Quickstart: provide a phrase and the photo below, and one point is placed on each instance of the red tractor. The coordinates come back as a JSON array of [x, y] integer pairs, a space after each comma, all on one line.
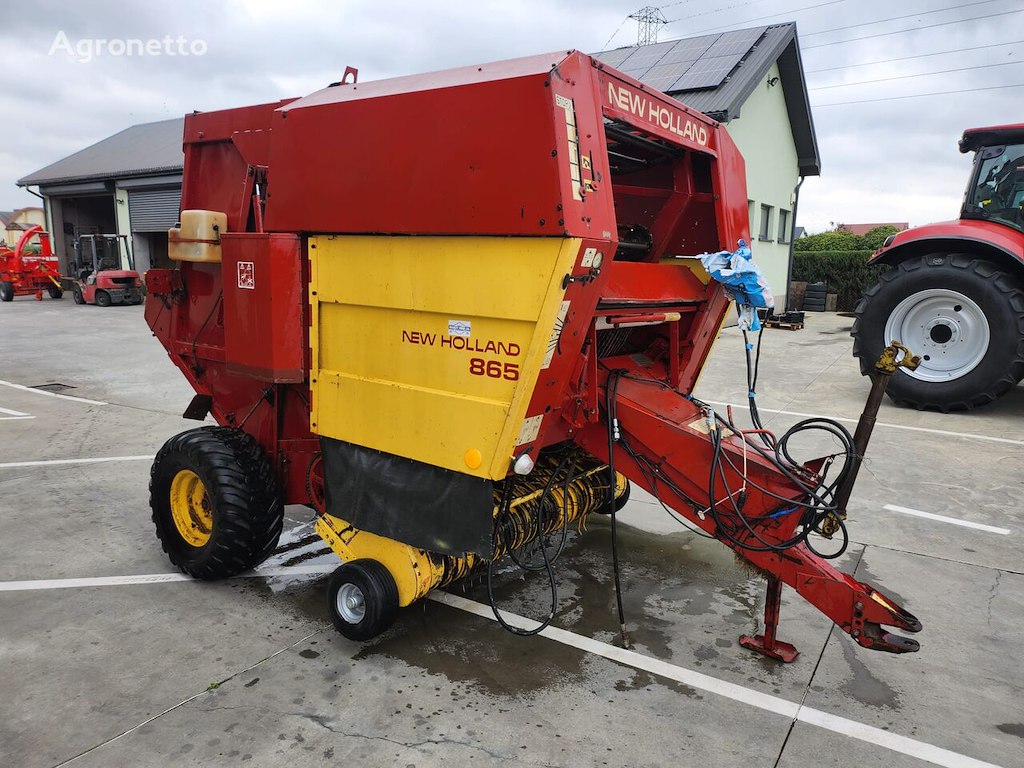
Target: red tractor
[[23, 273], [955, 293], [98, 277]]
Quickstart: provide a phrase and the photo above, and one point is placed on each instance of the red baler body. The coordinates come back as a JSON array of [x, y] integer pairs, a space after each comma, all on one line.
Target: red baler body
[[552, 146]]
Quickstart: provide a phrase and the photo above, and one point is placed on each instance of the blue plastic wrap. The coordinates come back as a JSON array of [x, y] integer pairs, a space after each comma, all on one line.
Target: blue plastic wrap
[[744, 282]]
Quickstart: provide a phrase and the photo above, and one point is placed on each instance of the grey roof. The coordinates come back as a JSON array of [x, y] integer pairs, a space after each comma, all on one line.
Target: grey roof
[[759, 48], [142, 150]]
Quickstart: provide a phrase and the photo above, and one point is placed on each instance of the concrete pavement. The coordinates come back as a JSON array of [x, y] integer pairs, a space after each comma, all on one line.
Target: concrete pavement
[[250, 672]]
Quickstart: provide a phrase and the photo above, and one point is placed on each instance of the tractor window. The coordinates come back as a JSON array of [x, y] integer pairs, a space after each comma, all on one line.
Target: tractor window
[[997, 189]]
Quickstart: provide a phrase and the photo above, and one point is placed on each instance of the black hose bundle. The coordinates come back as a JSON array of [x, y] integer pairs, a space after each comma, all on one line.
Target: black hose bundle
[[564, 486]]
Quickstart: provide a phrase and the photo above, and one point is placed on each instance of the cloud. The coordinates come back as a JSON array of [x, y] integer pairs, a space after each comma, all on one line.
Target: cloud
[[881, 160]]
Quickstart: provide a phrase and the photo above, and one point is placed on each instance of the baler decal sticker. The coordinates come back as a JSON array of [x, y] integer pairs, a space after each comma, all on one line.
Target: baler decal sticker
[[247, 275], [530, 429], [460, 328], [556, 333], [574, 143]]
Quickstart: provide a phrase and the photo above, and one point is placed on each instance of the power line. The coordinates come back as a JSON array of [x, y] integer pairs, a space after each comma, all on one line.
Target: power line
[[759, 18], [912, 29], [916, 56], [713, 10], [921, 74], [898, 18], [917, 95], [606, 42]]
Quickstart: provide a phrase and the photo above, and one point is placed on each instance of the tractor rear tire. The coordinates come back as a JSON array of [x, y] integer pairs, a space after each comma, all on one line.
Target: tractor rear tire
[[362, 599], [102, 299], [215, 502], [963, 316], [6, 291], [77, 295], [54, 291]]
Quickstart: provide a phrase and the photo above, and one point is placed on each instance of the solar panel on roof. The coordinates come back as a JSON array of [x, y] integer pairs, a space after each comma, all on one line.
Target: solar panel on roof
[[645, 57], [663, 76], [739, 41], [690, 64], [706, 73], [688, 50], [615, 57]]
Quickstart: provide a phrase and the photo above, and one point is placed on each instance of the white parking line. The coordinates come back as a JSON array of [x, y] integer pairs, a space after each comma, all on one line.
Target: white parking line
[[50, 462], [944, 519], [767, 702], [774, 704], [948, 433], [35, 391], [151, 578], [10, 415]]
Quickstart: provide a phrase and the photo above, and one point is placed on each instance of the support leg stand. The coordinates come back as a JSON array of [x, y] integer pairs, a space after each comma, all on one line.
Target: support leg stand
[[767, 644]]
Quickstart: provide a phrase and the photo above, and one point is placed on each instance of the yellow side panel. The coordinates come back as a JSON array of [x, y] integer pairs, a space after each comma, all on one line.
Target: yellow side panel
[[430, 347]]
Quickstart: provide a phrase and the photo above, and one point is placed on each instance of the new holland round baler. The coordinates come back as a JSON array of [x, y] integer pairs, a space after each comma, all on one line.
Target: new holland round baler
[[453, 313]]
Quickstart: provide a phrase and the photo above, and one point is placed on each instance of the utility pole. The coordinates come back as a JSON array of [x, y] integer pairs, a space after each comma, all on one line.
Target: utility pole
[[649, 19]]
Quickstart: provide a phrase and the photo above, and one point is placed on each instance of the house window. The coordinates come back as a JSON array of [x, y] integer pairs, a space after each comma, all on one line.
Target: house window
[[765, 232], [783, 226]]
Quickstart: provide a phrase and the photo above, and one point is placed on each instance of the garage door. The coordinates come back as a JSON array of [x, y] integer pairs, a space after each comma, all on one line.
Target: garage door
[[154, 210]]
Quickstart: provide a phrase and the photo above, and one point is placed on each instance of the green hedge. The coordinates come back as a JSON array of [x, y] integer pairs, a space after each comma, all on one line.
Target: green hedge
[[846, 272]]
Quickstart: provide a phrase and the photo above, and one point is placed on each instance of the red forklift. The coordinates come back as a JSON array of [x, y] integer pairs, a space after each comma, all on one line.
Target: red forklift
[[97, 271]]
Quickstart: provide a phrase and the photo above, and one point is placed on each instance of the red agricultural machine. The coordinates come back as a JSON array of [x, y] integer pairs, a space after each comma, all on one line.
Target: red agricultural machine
[[24, 273], [453, 313], [955, 292]]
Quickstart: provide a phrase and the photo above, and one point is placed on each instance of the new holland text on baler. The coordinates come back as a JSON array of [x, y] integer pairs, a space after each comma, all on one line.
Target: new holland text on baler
[[453, 313]]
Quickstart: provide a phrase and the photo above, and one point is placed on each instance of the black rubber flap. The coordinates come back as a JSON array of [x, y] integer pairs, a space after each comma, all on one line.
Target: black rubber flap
[[415, 503]]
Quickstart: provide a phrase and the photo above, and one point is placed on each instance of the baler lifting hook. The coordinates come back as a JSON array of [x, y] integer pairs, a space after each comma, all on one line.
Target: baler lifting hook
[[893, 356]]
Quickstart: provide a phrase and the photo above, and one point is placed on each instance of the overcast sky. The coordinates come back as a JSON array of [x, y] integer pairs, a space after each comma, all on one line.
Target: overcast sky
[[891, 157]]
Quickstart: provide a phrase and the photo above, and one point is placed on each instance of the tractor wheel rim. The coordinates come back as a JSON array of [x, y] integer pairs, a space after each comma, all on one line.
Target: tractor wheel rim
[[947, 329], [351, 603], [190, 508]]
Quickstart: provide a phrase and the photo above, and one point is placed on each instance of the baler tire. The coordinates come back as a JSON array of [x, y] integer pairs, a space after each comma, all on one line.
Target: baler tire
[[239, 502], [992, 322], [55, 292], [6, 291], [77, 295], [362, 599], [103, 299]]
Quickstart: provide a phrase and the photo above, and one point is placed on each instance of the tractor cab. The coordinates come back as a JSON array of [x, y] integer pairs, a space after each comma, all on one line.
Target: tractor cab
[[98, 274], [995, 191]]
